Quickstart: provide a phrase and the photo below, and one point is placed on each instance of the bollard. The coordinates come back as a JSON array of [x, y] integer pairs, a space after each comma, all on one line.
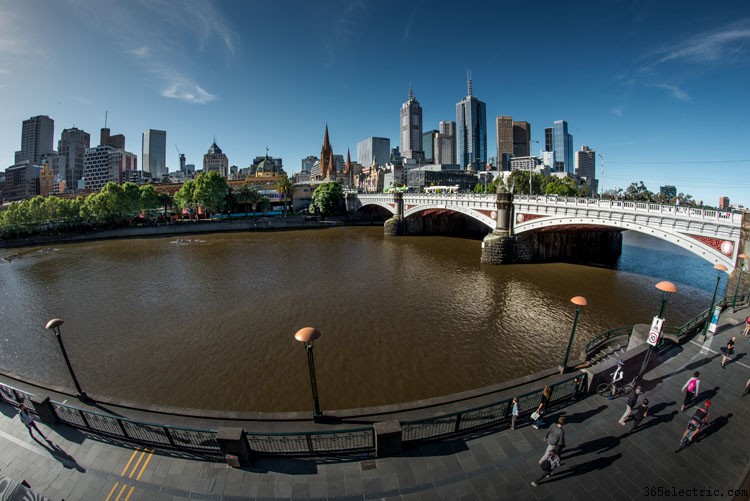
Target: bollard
[[234, 446]]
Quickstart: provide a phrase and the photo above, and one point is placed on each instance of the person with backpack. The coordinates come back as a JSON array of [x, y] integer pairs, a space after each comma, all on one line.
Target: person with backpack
[[691, 388], [547, 464], [695, 425], [631, 405], [728, 352], [640, 413]]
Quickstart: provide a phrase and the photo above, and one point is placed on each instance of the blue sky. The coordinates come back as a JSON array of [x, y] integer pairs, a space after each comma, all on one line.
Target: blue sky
[[658, 89]]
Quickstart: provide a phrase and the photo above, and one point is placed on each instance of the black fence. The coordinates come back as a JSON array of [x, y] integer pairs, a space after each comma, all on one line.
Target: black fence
[[356, 440], [486, 415]]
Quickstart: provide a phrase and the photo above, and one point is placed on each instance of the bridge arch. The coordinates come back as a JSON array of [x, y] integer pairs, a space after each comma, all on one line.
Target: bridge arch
[[670, 234], [486, 219]]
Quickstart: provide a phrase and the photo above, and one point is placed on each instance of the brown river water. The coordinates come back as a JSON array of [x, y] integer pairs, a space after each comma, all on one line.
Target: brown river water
[[209, 322]]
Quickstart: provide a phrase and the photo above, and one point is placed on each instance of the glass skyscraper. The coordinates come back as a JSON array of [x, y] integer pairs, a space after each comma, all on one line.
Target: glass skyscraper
[[154, 157], [562, 145], [471, 132]]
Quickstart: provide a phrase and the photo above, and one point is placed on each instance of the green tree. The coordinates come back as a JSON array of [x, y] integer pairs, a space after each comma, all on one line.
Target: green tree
[[211, 191], [248, 196], [478, 188], [264, 204], [149, 198], [185, 196], [132, 196], [565, 187], [285, 188], [326, 198]]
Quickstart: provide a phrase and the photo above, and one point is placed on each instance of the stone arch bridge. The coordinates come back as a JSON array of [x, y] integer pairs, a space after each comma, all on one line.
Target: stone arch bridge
[[718, 237]]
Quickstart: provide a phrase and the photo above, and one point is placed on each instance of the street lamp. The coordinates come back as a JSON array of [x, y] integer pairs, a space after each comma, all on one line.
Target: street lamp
[[739, 280], [579, 301], [721, 268], [307, 335], [55, 324], [667, 289]]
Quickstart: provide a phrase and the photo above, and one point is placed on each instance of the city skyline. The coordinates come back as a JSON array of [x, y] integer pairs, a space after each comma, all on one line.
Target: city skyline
[[658, 96]]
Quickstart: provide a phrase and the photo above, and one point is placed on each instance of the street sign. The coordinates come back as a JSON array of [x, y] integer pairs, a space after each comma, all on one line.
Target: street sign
[[655, 331]]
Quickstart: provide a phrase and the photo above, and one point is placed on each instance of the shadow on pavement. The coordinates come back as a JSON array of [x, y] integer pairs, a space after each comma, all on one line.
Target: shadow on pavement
[[599, 446], [437, 448], [583, 468], [651, 421], [713, 427], [287, 466], [9, 410], [58, 453], [580, 417]]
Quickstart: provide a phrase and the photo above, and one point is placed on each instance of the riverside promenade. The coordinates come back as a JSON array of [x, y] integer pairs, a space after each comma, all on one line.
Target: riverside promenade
[[602, 460]]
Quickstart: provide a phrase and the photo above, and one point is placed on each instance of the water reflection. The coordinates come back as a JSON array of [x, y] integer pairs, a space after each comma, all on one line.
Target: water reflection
[[210, 324]]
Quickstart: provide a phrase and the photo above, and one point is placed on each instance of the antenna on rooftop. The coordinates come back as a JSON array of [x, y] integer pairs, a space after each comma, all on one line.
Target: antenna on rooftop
[[105, 118]]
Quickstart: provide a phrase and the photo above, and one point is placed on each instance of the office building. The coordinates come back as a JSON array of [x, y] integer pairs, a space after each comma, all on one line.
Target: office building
[[560, 142], [724, 203], [668, 192], [586, 163], [21, 181], [471, 132], [71, 150], [374, 150], [504, 127], [308, 162], [411, 128], [154, 153], [117, 141], [521, 139], [429, 141], [445, 143], [215, 160], [37, 136], [104, 164]]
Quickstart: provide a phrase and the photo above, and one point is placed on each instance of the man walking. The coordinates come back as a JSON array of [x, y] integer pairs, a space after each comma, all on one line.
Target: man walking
[[631, 405], [555, 438], [640, 413]]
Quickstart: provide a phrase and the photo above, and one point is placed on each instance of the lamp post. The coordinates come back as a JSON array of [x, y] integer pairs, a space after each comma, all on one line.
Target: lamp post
[[55, 324], [739, 281], [721, 268], [579, 301], [667, 289], [307, 335]]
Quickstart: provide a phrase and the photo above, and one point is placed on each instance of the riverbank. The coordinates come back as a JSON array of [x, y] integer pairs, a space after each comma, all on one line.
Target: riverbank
[[178, 228]]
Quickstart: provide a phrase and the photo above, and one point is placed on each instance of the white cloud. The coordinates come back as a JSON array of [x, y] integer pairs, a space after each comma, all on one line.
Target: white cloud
[[676, 92], [188, 91], [709, 47], [139, 52], [618, 110]]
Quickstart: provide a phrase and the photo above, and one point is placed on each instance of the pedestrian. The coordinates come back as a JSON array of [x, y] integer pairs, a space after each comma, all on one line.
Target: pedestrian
[[640, 413], [538, 415], [28, 420], [576, 388], [747, 326], [691, 390], [514, 413], [728, 352], [631, 405], [747, 388], [547, 464], [555, 438]]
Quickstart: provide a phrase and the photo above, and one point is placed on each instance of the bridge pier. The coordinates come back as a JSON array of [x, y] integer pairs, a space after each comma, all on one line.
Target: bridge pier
[[499, 247], [742, 248], [395, 227]]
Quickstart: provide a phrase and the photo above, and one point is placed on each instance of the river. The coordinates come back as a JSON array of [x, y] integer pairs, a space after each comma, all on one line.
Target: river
[[209, 322]]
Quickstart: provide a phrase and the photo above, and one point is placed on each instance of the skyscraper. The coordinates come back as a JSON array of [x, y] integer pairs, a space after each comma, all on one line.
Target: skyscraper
[[586, 168], [377, 149], [37, 136], [429, 140], [557, 140], [504, 126], [411, 128], [521, 139], [71, 150], [154, 153], [445, 143], [471, 132]]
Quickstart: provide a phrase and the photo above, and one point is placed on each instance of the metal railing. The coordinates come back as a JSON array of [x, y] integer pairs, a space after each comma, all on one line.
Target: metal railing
[[15, 396], [478, 417], [602, 338], [320, 442], [159, 435]]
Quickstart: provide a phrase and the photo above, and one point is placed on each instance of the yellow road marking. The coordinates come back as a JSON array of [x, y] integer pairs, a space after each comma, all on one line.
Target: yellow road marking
[[130, 461], [112, 490], [143, 468], [129, 493], [140, 458], [121, 491]]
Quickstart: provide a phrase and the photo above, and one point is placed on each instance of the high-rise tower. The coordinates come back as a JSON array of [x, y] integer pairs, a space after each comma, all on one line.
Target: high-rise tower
[[471, 131], [154, 151], [504, 126], [411, 128], [71, 150], [36, 139]]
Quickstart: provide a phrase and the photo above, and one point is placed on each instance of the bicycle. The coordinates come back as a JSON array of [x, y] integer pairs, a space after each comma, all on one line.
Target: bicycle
[[687, 439], [605, 389]]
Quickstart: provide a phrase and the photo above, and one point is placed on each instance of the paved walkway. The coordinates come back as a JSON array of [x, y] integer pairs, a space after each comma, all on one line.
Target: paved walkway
[[602, 460]]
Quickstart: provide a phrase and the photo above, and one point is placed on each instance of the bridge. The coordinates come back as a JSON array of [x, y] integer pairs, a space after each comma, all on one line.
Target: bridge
[[716, 236]]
